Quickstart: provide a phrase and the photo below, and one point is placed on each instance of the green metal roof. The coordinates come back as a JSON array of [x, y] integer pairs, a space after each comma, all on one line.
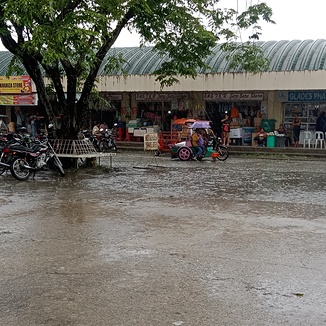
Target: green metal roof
[[292, 55]]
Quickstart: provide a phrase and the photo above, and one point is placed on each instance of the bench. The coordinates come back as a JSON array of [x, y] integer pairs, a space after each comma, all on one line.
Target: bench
[[79, 149]]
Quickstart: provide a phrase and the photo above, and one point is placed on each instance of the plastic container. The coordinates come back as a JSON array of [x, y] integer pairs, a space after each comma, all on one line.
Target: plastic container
[[280, 141], [271, 140], [268, 124]]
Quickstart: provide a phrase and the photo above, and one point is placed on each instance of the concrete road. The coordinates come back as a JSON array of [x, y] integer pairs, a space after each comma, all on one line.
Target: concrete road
[[156, 242]]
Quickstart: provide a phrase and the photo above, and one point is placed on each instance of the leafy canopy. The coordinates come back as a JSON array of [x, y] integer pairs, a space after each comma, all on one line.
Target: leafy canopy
[[75, 30], [73, 37]]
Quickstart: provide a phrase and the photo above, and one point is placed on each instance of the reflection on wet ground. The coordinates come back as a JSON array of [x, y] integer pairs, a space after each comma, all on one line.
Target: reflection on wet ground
[[155, 241]]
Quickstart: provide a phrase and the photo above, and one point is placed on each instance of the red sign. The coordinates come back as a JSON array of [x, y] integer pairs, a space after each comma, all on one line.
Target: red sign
[[18, 99]]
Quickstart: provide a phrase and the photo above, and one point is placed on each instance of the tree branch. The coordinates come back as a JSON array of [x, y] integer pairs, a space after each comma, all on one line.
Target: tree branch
[[100, 55]]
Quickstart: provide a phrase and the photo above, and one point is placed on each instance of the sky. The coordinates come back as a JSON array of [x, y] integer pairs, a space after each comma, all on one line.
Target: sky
[[295, 20]]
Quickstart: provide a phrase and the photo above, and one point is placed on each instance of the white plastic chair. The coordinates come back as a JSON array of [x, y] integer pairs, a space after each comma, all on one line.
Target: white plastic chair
[[307, 138], [320, 139]]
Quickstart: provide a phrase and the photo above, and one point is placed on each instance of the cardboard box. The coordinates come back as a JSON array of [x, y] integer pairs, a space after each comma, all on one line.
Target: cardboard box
[[257, 121], [253, 135], [139, 132]]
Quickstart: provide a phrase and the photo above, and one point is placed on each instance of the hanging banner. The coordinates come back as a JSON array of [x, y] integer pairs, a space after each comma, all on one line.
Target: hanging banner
[[18, 99], [16, 85]]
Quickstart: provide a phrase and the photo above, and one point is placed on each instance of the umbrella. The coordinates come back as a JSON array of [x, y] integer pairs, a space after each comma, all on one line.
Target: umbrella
[[200, 124], [183, 121]]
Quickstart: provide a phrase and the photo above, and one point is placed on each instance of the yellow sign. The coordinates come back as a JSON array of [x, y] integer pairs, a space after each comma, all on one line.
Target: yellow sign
[[15, 85]]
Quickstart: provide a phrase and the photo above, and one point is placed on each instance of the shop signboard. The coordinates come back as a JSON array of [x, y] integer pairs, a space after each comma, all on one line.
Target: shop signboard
[[15, 85], [234, 96], [20, 100], [302, 96], [162, 97]]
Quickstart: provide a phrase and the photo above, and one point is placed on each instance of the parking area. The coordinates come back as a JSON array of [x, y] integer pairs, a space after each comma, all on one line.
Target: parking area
[[155, 241]]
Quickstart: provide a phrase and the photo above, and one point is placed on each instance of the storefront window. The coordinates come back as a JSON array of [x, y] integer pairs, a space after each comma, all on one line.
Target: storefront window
[[308, 113], [248, 111], [156, 113]]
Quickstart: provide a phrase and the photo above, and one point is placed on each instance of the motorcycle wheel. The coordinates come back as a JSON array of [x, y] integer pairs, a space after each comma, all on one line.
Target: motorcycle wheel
[[102, 146], [224, 153], [184, 153], [18, 170]]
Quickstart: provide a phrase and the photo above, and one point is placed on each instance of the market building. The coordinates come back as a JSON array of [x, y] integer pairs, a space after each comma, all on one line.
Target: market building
[[294, 84]]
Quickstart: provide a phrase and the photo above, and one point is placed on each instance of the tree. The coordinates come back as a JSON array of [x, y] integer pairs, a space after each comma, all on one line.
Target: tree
[[72, 38]]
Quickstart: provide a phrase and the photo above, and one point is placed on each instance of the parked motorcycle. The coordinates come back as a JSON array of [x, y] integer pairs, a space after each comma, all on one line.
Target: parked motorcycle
[[104, 142], [36, 157], [6, 155]]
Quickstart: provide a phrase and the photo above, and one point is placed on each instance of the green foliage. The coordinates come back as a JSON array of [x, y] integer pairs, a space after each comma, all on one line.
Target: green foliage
[[113, 62], [73, 37], [246, 57], [15, 68]]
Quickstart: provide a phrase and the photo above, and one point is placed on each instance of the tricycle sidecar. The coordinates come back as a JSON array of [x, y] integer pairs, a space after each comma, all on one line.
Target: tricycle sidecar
[[167, 139], [185, 151]]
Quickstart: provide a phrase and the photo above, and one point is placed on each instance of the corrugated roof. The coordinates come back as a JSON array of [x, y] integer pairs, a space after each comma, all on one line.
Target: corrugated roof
[[283, 55]]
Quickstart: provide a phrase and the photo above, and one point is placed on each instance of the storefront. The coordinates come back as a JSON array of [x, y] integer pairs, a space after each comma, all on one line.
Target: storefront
[[17, 100], [108, 110], [161, 108], [306, 104], [246, 109]]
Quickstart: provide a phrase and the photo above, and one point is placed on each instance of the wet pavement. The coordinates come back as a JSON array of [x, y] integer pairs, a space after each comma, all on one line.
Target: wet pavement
[[159, 242]]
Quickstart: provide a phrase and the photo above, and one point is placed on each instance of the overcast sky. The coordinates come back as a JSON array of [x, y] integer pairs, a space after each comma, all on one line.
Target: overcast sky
[[294, 19]]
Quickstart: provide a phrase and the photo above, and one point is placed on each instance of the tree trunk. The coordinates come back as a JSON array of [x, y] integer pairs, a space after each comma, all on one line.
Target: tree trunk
[[33, 69]]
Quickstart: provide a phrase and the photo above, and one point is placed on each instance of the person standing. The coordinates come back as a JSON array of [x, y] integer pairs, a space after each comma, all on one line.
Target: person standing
[[96, 129], [296, 125], [321, 122], [226, 129], [33, 123], [20, 118]]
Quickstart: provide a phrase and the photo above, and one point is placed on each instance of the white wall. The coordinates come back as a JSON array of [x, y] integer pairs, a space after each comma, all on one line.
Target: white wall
[[294, 80]]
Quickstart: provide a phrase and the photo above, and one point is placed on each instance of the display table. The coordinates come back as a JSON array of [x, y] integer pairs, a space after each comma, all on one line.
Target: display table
[[241, 136]]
